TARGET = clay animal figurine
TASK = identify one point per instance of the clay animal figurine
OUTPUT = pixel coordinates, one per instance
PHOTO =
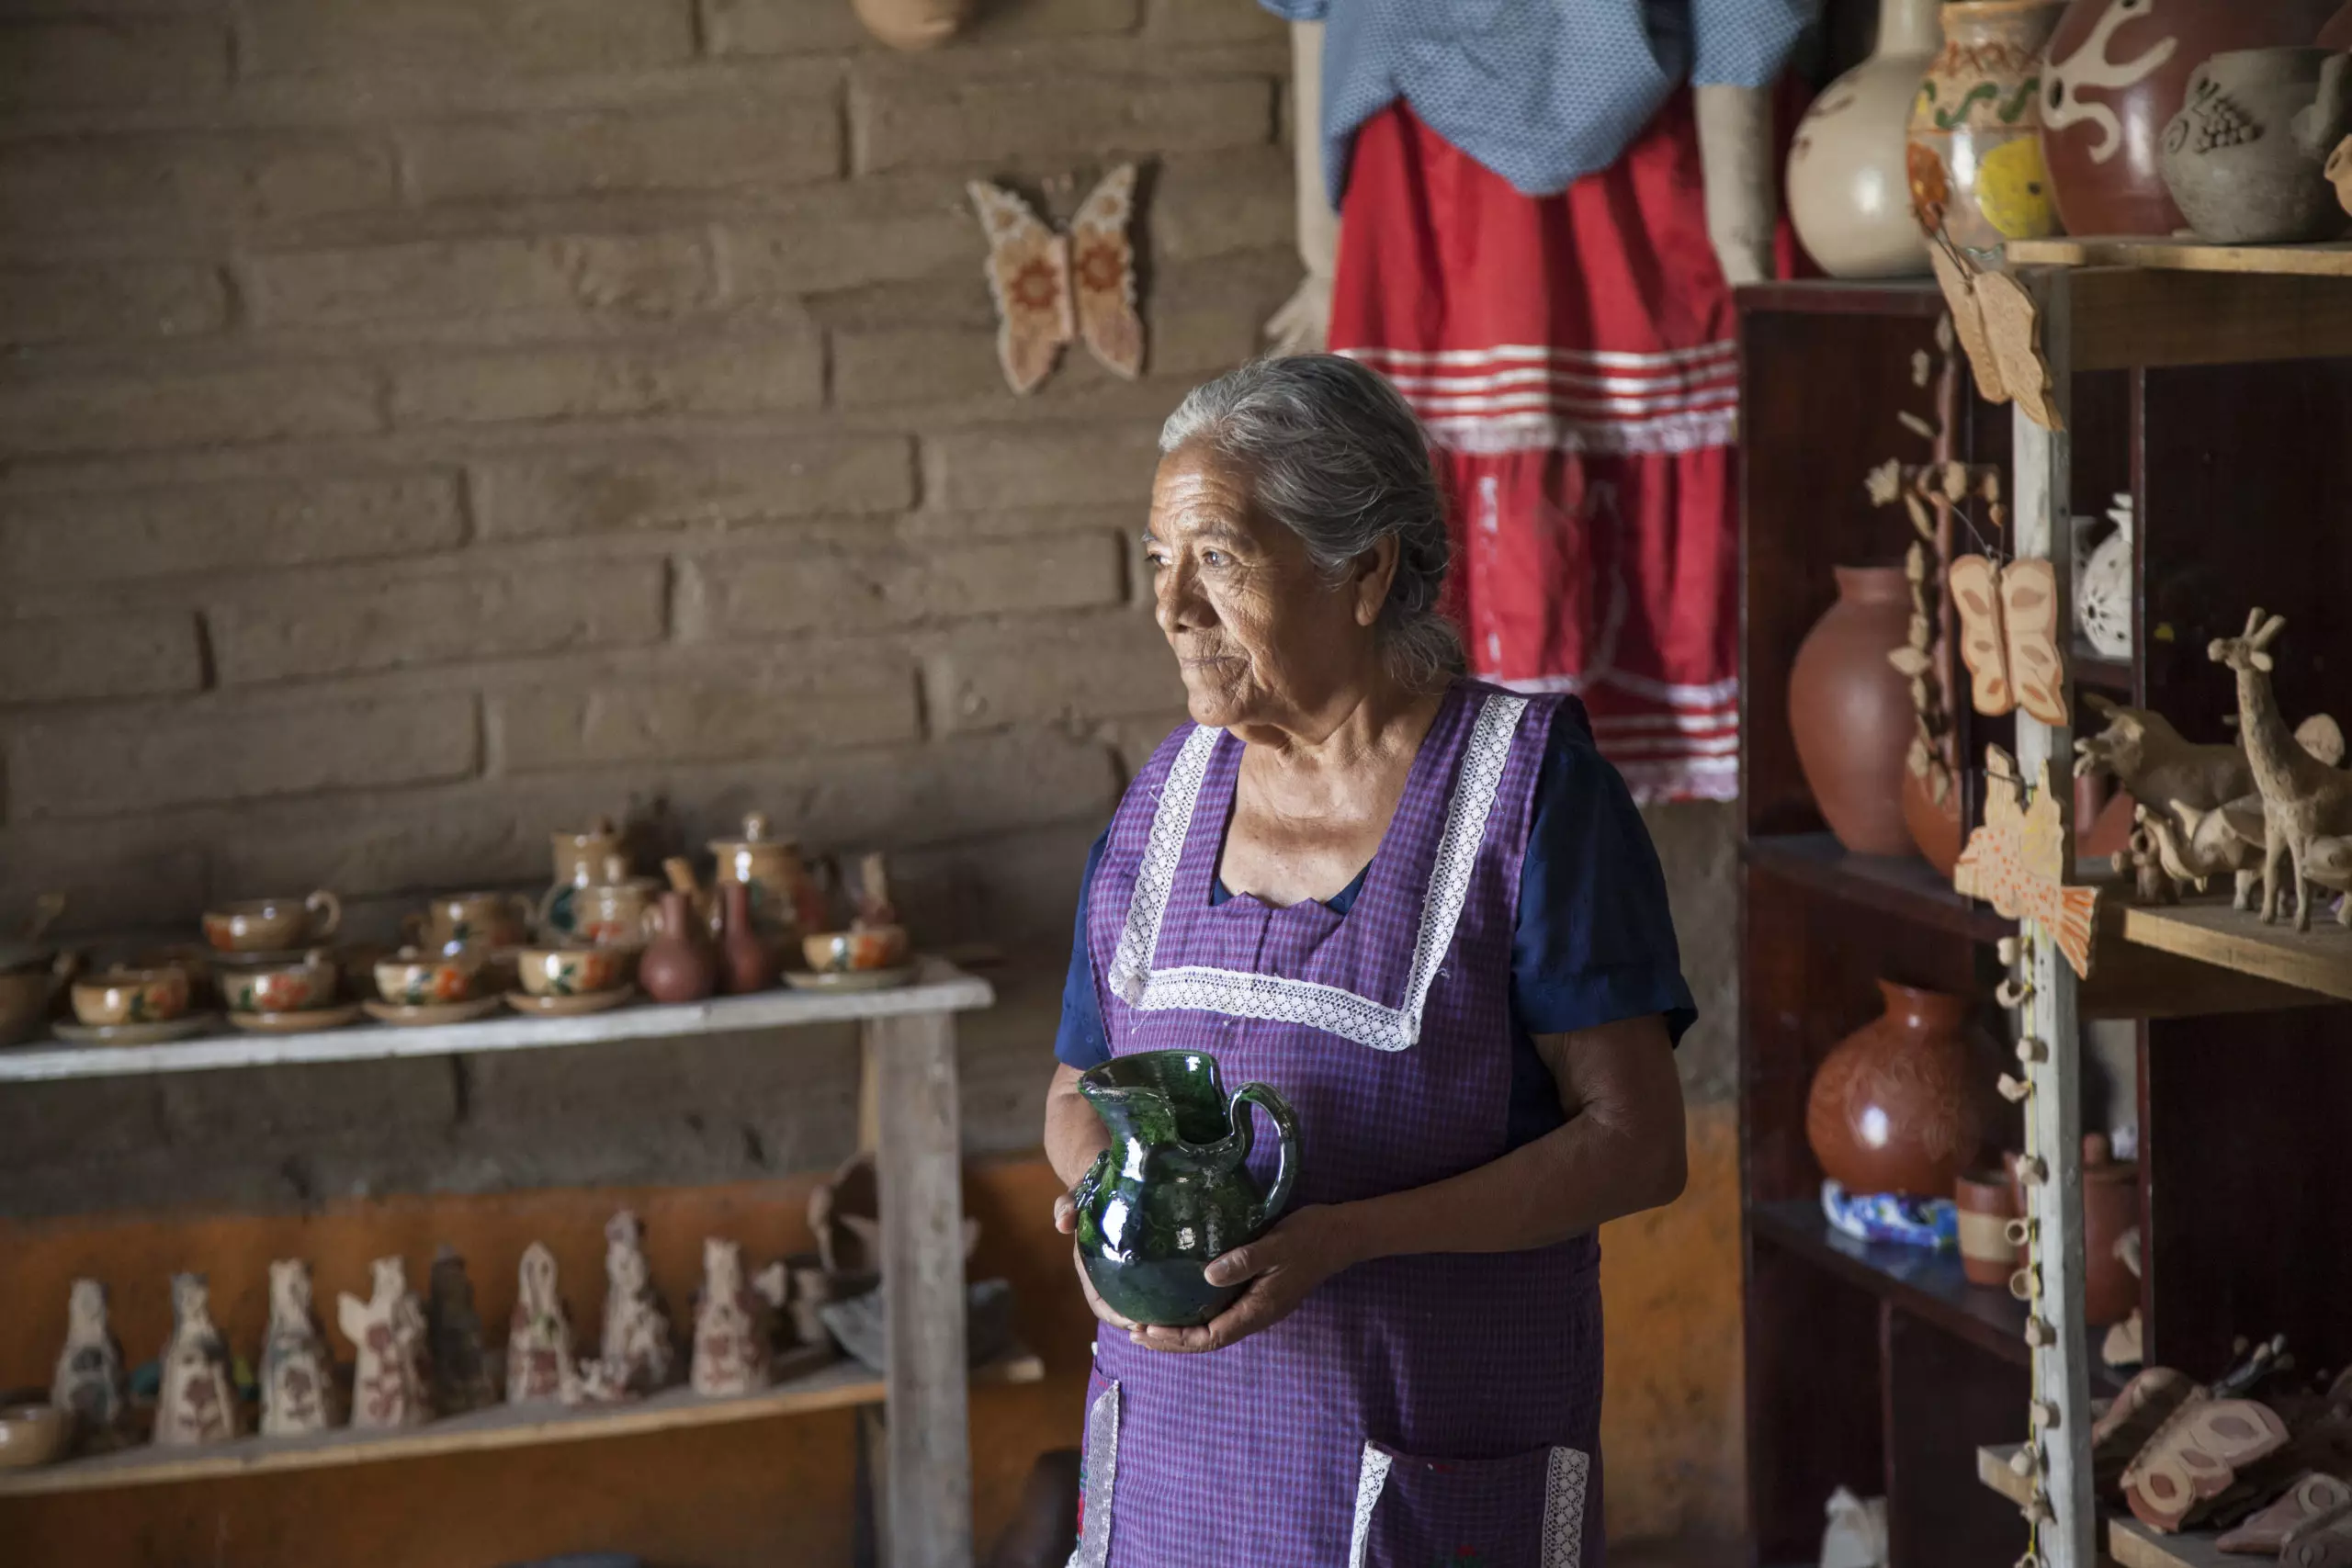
(2303, 799)
(88, 1384)
(198, 1403)
(388, 1387)
(297, 1375)
(2149, 858)
(636, 1329)
(730, 1335)
(453, 1336)
(539, 1342)
(2155, 766)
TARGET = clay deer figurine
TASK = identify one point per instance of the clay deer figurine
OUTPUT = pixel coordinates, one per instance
(198, 1403)
(296, 1376)
(389, 1382)
(88, 1384)
(2303, 799)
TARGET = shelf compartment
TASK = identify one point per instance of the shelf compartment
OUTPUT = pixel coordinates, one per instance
(1903, 885)
(1926, 1284)
(2317, 960)
(832, 1385)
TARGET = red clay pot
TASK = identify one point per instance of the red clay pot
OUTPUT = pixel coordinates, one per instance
(1934, 828)
(1898, 1105)
(1987, 1203)
(1852, 712)
(677, 965)
(746, 963)
(2110, 1211)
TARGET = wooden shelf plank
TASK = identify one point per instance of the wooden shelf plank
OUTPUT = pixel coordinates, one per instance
(2134, 1545)
(831, 1387)
(1904, 886)
(1992, 1470)
(1846, 296)
(2127, 317)
(2330, 260)
(939, 988)
(2317, 960)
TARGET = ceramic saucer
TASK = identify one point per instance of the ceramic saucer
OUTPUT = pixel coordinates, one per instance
(430, 1013)
(848, 979)
(569, 1007)
(178, 1028)
(301, 1022)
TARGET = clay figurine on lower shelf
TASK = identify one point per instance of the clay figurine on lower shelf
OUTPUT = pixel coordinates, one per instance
(637, 1344)
(731, 1353)
(199, 1400)
(461, 1365)
(388, 1387)
(88, 1384)
(2306, 801)
(297, 1392)
(539, 1367)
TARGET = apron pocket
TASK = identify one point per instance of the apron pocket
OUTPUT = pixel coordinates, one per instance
(1525, 1511)
(1097, 1469)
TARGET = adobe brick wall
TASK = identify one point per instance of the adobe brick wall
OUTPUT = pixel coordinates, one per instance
(430, 423)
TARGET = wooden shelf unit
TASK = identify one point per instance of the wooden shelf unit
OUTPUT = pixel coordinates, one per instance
(2212, 932)
(1857, 1376)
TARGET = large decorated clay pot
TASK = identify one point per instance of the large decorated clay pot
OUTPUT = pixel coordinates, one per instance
(1897, 1106)
(2117, 73)
(1851, 713)
(1849, 192)
(1974, 155)
(2245, 157)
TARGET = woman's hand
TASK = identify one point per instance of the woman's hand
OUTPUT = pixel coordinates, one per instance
(1305, 1249)
(1066, 1221)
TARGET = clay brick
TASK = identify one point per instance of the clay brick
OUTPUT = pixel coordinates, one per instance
(916, 364)
(1207, 319)
(1003, 468)
(1213, 22)
(782, 26)
(846, 699)
(301, 1106)
(1033, 20)
(900, 122)
(731, 375)
(1212, 205)
(669, 486)
(111, 656)
(973, 788)
(770, 142)
(845, 237)
(648, 275)
(1069, 669)
(306, 629)
(116, 59)
(510, 38)
(112, 767)
(113, 413)
(108, 536)
(165, 190)
(129, 301)
(768, 596)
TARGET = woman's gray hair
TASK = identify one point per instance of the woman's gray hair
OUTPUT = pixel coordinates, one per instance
(1338, 458)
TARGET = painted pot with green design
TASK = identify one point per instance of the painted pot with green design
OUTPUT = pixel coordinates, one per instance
(1174, 1190)
(1975, 149)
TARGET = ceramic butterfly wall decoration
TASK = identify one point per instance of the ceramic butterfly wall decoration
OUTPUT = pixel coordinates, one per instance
(1051, 289)
(2009, 636)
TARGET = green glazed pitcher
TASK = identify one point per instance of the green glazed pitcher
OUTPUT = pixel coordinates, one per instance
(1174, 1190)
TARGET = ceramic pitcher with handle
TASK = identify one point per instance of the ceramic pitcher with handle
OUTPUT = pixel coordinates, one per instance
(1174, 1190)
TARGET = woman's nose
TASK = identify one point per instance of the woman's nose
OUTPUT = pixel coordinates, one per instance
(1178, 603)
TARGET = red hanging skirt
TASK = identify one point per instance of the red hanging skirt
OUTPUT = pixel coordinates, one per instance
(1574, 360)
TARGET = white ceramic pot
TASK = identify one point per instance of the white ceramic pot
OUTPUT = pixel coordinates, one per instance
(1849, 191)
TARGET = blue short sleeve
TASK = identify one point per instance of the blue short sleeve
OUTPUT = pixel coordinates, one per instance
(1082, 1042)
(1297, 10)
(1745, 43)
(1594, 940)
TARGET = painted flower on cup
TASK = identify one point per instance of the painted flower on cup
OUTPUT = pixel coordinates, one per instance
(1929, 188)
(449, 984)
(281, 993)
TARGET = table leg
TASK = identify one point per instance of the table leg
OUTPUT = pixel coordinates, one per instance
(928, 1491)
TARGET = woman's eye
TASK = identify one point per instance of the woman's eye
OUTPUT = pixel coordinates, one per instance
(1213, 557)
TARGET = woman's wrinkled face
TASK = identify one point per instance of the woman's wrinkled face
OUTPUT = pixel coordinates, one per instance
(1261, 634)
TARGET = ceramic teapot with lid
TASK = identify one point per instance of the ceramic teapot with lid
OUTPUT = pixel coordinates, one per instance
(1173, 1190)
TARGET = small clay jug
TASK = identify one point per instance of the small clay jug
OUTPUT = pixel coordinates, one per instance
(1896, 1106)
(2110, 1212)
(1174, 1190)
(2245, 157)
(678, 964)
(1852, 715)
(748, 961)
(1987, 1203)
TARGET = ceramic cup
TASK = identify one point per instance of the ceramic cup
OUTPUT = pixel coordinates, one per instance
(32, 1435)
(873, 947)
(616, 914)
(271, 925)
(190, 958)
(131, 996)
(414, 978)
(469, 922)
(1988, 1203)
(280, 985)
(573, 971)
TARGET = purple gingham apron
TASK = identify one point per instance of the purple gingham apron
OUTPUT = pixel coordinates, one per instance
(1419, 1412)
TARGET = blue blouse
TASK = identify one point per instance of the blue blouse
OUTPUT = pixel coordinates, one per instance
(1542, 92)
(1594, 940)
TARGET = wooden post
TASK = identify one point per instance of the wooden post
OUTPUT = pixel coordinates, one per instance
(2044, 461)
(927, 1489)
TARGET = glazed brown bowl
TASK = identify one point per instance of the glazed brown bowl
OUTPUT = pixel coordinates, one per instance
(131, 996)
(32, 1435)
(573, 971)
(869, 947)
(297, 984)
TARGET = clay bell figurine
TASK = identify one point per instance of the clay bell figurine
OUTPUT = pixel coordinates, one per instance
(730, 1334)
(88, 1385)
(453, 1336)
(199, 1400)
(389, 1386)
(297, 1375)
(637, 1344)
(538, 1341)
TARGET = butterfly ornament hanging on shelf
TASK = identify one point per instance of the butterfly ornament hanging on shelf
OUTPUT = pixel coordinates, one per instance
(1051, 289)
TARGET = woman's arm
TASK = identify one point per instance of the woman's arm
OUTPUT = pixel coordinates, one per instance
(1074, 1134)
(1620, 1151)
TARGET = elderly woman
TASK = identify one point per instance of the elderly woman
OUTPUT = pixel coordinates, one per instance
(1425, 912)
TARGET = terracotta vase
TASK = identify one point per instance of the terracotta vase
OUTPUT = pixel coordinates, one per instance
(1852, 710)
(2117, 73)
(748, 963)
(1897, 1106)
(1974, 152)
(2110, 1212)
(1987, 1203)
(2245, 158)
(1847, 187)
(677, 965)
(1934, 827)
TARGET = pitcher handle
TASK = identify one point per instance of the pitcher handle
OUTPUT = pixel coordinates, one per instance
(1285, 1130)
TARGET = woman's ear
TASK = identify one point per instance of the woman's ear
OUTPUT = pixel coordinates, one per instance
(1370, 578)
